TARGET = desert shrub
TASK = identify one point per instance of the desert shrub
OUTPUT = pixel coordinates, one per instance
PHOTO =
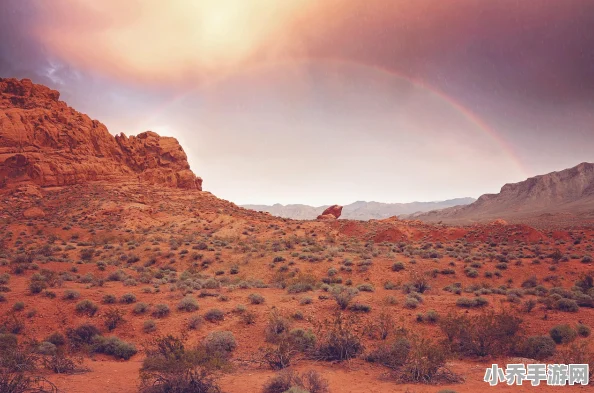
(140, 308)
(343, 295)
(256, 298)
(188, 304)
(392, 355)
(279, 356)
(82, 335)
(398, 266)
(60, 363)
(537, 347)
(70, 294)
(291, 381)
(109, 299)
(37, 286)
(465, 302)
(338, 339)
(149, 326)
(413, 359)
(214, 315)
(411, 303)
(113, 346)
(563, 334)
(86, 307)
(195, 322)
(360, 307)
(277, 327)
(18, 306)
(19, 382)
(582, 330)
(302, 340)
(220, 342)
(113, 318)
(248, 317)
(418, 283)
(485, 334)
(365, 288)
(161, 311)
(56, 338)
(567, 305)
(128, 298)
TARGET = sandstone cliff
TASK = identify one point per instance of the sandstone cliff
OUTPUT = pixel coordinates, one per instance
(46, 142)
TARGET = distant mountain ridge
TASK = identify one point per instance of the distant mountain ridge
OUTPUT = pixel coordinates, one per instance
(359, 210)
(568, 193)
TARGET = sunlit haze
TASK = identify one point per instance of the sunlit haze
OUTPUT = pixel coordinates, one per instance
(322, 102)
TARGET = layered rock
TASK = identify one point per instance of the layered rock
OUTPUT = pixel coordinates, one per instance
(570, 191)
(45, 142)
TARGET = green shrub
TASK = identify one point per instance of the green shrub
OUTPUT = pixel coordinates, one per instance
(465, 302)
(18, 306)
(567, 305)
(343, 295)
(563, 334)
(86, 307)
(128, 298)
(161, 311)
(360, 307)
(537, 347)
(339, 341)
(140, 308)
(113, 346)
(220, 342)
(582, 330)
(109, 299)
(113, 318)
(149, 326)
(289, 381)
(82, 335)
(398, 266)
(70, 294)
(56, 338)
(365, 288)
(214, 315)
(256, 298)
(188, 304)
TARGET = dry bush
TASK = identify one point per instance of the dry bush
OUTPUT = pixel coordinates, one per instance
(338, 339)
(309, 381)
(169, 366)
(485, 334)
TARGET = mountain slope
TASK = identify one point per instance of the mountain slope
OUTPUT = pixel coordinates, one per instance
(359, 210)
(44, 141)
(568, 193)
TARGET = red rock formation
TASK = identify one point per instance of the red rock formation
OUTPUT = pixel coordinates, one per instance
(331, 213)
(44, 141)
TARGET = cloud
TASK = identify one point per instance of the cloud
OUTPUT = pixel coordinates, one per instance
(170, 41)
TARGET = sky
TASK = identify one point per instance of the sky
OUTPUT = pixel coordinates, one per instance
(324, 102)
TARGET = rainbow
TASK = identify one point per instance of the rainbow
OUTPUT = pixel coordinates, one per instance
(468, 114)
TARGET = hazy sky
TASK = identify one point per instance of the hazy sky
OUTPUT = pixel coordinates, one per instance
(322, 102)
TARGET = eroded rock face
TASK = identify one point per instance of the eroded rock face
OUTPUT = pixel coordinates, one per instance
(333, 212)
(45, 142)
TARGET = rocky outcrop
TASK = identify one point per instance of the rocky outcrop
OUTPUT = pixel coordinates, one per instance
(331, 213)
(45, 142)
(570, 191)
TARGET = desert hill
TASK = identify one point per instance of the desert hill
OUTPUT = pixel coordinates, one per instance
(564, 196)
(45, 141)
(360, 210)
(113, 262)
